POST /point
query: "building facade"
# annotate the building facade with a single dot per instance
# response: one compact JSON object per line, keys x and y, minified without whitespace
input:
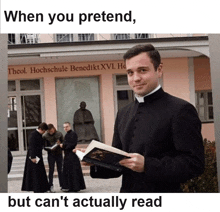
{"x":49,"y":75}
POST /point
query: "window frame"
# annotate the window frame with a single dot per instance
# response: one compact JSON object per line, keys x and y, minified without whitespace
{"x":86,"y":37}
{"x":121,"y":36}
{"x":117,"y":87}
{"x":206,"y":106}
{"x":60,"y":40}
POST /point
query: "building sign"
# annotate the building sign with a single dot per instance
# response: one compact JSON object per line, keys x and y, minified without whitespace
{"x":39,"y":69}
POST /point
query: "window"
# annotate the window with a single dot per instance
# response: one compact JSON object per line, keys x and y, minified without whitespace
{"x":24,"y":85}
{"x":32,"y":38}
{"x":29,"y":85}
{"x":22,"y":38}
{"x":85,"y":37}
{"x":29,"y":38}
{"x":204,"y":106}
{"x":64,"y":37}
{"x":141,"y":36}
{"x":11,"y":86}
{"x":12,"y":104}
{"x":11,"y":38}
{"x":121,"y":36}
{"x":123,"y":93}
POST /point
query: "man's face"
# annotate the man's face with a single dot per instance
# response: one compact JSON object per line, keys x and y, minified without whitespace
{"x":142,"y":77}
{"x":51,"y":131}
{"x":66,"y":127}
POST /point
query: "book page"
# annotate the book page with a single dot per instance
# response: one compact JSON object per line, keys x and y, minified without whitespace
{"x":80,"y":154}
{"x":100,"y":145}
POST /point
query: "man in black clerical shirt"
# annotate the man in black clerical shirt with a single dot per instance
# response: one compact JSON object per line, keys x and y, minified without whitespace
{"x":35,"y":178}
{"x":73,"y":179}
{"x":160,"y":132}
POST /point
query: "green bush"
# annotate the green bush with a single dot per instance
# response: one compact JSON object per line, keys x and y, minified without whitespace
{"x":207,"y":182}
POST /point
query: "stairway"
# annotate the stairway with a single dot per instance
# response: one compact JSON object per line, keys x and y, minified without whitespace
{"x":17,"y":169}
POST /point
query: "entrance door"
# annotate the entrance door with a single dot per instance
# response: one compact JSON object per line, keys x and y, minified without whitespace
{"x":13,"y":124}
{"x":31,"y":116}
{"x":24,"y":113}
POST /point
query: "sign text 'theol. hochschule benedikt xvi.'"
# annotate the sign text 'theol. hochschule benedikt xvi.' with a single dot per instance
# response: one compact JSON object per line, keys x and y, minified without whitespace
{"x":65,"y":68}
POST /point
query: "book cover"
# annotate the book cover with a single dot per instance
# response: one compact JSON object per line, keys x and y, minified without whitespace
{"x":103,"y":155}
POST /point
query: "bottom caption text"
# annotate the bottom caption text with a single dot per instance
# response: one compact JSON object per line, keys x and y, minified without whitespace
{"x":65,"y":201}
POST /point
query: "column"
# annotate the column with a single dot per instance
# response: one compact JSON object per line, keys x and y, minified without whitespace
{"x":107,"y":107}
{"x":214,"y":49}
{"x":50,"y":101}
{"x":3,"y":112}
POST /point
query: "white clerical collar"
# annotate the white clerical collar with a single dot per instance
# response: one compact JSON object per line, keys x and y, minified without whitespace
{"x":140,"y":99}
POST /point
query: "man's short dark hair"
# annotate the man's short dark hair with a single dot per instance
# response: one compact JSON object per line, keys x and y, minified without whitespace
{"x":50,"y":126}
{"x":43,"y":126}
{"x":66,"y":122}
{"x":149,"y":49}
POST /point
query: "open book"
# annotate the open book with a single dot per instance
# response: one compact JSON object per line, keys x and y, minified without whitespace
{"x":103,"y":155}
{"x":51,"y":147}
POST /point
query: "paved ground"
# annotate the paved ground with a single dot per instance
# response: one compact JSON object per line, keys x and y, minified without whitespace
{"x":92,"y":185}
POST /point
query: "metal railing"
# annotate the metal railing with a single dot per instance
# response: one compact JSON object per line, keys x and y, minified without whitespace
{"x":14,"y":39}
{"x":23,"y":38}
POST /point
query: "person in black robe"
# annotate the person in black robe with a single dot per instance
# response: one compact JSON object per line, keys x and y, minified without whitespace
{"x":10,"y":159}
{"x":83,"y":124}
{"x":160,"y":132}
{"x":73,"y":180}
{"x":35,"y":178}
